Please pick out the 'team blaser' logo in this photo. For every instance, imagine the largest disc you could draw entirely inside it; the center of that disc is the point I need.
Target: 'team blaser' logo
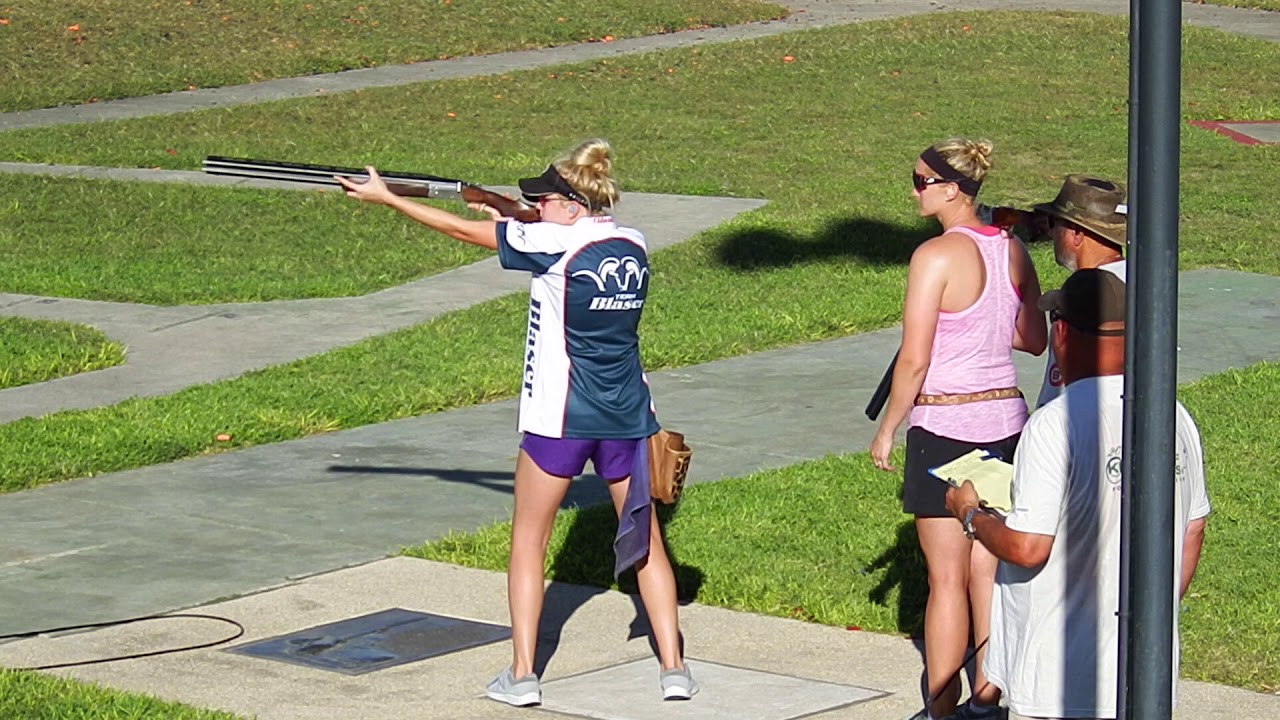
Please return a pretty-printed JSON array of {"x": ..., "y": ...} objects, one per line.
[{"x": 625, "y": 274}]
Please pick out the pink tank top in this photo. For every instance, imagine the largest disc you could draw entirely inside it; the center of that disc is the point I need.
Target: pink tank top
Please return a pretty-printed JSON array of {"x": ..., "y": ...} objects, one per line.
[{"x": 973, "y": 351}]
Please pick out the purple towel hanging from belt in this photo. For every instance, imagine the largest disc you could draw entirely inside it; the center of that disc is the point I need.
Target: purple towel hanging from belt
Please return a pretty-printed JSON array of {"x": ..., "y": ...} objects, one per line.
[{"x": 631, "y": 544}]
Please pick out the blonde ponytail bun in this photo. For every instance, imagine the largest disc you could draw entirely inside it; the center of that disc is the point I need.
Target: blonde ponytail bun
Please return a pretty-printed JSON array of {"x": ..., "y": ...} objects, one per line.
[
  {"x": 589, "y": 169},
  {"x": 972, "y": 158}
]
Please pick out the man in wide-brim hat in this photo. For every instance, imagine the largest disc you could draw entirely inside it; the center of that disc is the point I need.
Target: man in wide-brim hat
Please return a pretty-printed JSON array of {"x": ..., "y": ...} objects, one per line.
[
  {"x": 1087, "y": 224},
  {"x": 1093, "y": 212}
]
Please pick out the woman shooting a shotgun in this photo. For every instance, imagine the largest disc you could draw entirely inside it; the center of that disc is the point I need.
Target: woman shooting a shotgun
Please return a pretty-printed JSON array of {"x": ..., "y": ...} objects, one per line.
[
  {"x": 583, "y": 393},
  {"x": 970, "y": 301}
]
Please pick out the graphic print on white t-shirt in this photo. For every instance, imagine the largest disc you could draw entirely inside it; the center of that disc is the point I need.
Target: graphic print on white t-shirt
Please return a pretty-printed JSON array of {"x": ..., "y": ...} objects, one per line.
[{"x": 1054, "y": 632}]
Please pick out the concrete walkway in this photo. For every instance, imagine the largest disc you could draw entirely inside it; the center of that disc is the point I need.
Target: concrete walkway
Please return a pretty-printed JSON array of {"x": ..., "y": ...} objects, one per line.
[{"x": 268, "y": 526}]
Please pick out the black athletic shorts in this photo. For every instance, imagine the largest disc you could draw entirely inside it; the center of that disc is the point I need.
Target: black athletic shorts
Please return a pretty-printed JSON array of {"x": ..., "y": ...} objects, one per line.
[{"x": 924, "y": 495}]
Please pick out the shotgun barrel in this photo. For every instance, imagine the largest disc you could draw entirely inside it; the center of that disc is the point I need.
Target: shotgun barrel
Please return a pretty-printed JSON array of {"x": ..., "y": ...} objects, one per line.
[
  {"x": 881, "y": 395},
  {"x": 403, "y": 184}
]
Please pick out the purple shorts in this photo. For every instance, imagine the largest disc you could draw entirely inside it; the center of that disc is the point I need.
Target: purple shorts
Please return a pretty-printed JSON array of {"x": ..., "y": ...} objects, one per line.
[{"x": 567, "y": 457}]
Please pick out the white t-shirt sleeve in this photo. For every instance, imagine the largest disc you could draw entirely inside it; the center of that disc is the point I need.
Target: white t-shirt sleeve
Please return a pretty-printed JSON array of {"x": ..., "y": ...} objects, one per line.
[
  {"x": 1040, "y": 471},
  {"x": 1194, "y": 471},
  {"x": 533, "y": 247}
]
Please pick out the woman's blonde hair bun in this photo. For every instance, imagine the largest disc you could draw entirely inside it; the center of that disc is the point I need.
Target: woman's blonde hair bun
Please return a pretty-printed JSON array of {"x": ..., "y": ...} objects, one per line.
[
  {"x": 589, "y": 169},
  {"x": 971, "y": 157}
]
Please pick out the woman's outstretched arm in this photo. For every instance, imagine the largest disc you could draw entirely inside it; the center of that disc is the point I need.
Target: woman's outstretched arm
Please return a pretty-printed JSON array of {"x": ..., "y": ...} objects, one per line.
[{"x": 477, "y": 232}]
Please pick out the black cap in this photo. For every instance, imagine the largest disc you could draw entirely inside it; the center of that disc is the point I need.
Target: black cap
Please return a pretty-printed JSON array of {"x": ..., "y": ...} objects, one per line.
[
  {"x": 550, "y": 182},
  {"x": 1088, "y": 300}
]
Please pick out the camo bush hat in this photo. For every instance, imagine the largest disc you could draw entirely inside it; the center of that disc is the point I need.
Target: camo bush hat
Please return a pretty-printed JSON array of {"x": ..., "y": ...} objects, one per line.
[{"x": 1093, "y": 204}]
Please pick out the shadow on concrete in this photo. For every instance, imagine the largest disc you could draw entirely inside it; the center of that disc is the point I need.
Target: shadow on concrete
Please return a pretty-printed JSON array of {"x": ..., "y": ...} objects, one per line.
[
  {"x": 873, "y": 242},
  {"x": 584, "y": 490},
  {"x": 583, "y": 567},
  {"x": 586, "y": 558}
]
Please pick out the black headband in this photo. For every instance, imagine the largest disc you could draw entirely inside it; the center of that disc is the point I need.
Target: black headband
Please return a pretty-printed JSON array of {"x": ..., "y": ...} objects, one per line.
[{"x": 936, "y": 163}]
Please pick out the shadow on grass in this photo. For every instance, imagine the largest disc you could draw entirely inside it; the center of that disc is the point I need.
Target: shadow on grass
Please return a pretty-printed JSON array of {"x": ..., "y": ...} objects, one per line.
[
  {"x": 904, "y": 567},
  {"x": 586, "y": 559},
  {"x": 874, "y": 242}
]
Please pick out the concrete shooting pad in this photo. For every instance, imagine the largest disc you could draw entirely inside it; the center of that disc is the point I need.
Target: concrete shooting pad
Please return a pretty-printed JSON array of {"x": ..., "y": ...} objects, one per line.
[
  {"x": 626, "y": 692},
  {"x": 748, "y": 666},
  {"x": 376, "y": 641},
  {"x": 741, "y": 660},
  {"x": 1245, "y": 132}
]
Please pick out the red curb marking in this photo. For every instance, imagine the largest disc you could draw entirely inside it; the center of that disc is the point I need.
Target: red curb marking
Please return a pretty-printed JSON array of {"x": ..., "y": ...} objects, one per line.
[{"x": 1219, "y": 127}]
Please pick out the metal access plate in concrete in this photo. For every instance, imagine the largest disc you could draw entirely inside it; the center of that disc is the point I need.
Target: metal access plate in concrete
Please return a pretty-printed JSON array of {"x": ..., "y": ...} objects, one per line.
[
  {"x": 376, "y": 641},
  {"x": 631, "y": 692}
]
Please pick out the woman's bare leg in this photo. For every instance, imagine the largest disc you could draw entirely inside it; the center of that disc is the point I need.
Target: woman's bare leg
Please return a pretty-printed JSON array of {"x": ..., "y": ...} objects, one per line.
[
  {"x": 946, "y": 614},
  {"x": 657, "y": 586},
  {"x": 982, "y": 580},
  {"x": 537, "y": 498}
]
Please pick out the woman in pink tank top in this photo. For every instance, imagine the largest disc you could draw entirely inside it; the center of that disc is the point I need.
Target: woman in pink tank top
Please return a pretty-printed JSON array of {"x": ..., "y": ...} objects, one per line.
[{"x": 970, "y": 301}]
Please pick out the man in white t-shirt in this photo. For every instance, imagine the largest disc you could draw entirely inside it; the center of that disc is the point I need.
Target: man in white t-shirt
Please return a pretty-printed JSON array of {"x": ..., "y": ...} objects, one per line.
[
  {"x": 1087, "y": 224},
  {"x": 1054, "y": 630}
]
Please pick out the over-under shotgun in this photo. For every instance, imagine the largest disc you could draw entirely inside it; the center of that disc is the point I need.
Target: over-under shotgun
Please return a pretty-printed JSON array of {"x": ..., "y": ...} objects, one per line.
[
  {"x": 881, "y": 395},
  {"x": 404, "y": 184}
]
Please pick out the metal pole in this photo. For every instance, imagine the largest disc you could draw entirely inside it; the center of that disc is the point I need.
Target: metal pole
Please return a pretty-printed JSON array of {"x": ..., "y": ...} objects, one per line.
[
  {"x": 1154, "y": 362},
  {"x": 1124, "y": 676}
]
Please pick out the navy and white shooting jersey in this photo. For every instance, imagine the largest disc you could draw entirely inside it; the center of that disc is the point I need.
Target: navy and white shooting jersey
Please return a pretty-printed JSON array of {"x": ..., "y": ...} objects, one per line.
[{"x": 582, "y": 374}]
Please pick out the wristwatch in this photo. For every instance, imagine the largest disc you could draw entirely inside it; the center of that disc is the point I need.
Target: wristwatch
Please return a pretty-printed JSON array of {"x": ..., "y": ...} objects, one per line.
[{"x": 967, "y": 523}]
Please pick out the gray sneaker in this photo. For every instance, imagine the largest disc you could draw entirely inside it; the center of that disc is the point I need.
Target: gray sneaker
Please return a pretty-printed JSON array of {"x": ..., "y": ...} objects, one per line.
[
  {"x": 677, "y": 684},
  {"x": 519, "y": 692}
]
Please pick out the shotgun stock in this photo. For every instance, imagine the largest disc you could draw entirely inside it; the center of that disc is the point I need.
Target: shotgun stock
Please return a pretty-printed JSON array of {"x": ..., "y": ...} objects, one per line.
[
  {"x": 881, "y": 395},
  {"x": 1033, "y": 224},
  {"x": 403, "y": 184}
]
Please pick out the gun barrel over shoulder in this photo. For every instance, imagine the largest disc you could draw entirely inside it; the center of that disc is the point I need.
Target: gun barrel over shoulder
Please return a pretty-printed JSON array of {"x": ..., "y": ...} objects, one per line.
[
  {"x": 1029, "y": 223},
  {"x": 881, "y": 394},
  {"x": 403, "y": 184}
]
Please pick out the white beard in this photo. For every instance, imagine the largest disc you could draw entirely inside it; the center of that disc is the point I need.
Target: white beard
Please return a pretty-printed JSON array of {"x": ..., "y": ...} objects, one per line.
[{"x": 1065, "y": 259}]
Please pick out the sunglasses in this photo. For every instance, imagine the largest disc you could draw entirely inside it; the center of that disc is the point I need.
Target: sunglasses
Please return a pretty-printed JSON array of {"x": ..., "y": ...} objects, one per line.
[
  {"x": 1055, "y": 316},
  {"x": 920, "y": 182}
]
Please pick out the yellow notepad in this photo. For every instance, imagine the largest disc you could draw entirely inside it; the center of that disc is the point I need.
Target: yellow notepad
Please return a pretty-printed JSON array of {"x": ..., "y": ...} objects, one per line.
[{"x": 991, "y": 477}]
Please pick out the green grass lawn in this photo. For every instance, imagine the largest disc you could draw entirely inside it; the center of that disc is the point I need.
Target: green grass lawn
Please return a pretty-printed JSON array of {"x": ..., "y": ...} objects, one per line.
[
  {"x": 1255, "y": 4},
  {"x": 175, "y": 244},
  {"x": 826, "y": 541},
  {"x": 37, "y": 350},
  {"x": 55, "y": 52},
  {"x": 828, "y": 138},
  {"x": 30, "y": 696}
]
